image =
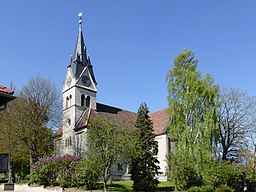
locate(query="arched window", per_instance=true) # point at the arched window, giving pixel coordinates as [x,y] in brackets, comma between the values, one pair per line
[82,99]
[88,100]
[69,121]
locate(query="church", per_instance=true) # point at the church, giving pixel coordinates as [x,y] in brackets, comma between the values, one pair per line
[79,94]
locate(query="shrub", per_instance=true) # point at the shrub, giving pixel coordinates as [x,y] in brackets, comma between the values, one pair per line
[251,180]
[182,171]
[57,170]
[89,173]
[195,189]
[231,175]
[205,188]
[224,188]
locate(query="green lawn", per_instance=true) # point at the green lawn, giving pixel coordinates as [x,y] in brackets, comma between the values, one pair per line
[127,186]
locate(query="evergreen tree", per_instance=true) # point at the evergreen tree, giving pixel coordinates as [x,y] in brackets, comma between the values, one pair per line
[144,166]
[192,103]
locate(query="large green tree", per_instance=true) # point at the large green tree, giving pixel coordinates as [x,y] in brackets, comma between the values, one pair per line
[193,113]
[107,141]
[144,166]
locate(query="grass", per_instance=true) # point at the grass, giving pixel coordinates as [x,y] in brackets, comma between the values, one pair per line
[127,186]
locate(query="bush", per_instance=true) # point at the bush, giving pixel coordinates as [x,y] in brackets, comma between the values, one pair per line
[89,171]
[251,180]
[195,189]
[231,175]
[182,171]
[58,170]
[224,188]
[205,188]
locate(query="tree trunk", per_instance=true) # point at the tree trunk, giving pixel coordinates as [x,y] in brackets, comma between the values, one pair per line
[10,170]
[31,180]
[32,161]
[105,179]
[105,185]
[224,153]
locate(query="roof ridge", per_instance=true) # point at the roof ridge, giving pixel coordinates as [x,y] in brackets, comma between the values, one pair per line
[115,107]
[165,109]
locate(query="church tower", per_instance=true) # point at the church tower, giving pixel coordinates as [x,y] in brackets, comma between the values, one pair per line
[79,94]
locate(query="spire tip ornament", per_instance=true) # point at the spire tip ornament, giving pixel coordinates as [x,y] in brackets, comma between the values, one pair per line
[80,17]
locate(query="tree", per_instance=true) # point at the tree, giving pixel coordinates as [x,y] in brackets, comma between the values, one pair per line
[236,122]
[144,166]
[43,109]
[193,114]
[32,117]
[106,143]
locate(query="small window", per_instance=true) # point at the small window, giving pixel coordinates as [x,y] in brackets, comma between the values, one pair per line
[119,167]
[82,99]
[70,141]
[69,121]
[67,102]
[66,143]
[88,100]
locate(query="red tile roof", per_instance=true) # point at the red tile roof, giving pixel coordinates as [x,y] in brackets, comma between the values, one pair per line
[160,121]
[5,90]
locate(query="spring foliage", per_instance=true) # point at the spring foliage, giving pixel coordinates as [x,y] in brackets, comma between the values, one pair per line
[192,104]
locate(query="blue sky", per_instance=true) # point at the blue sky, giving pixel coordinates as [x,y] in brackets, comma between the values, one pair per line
[132,44]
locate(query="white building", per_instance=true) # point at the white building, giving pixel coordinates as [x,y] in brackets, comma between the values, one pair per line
[79,101]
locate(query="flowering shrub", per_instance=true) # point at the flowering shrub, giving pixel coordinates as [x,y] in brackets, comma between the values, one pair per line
[57,170]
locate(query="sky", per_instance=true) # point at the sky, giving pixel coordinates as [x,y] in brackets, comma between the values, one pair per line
[132,44]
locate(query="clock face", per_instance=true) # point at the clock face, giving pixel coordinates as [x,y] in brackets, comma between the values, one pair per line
[86,80]
[68,82]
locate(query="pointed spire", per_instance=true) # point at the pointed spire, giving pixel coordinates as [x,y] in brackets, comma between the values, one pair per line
[79,59]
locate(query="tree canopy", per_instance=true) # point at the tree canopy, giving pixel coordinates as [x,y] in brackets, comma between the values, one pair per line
[107,141]
[30,120]
[193,114]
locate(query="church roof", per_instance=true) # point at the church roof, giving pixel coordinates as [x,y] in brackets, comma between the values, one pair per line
[159,118]
[160,121]
[117,114]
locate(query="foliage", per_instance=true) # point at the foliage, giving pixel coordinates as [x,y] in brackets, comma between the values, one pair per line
[236,119]
[106,144]
[127,186]
[231,175]
[193,114]
[28,123]
[144,167]
[251,180]
[61,170]
[89,171]
[206,188]
[224,188]
[182,171]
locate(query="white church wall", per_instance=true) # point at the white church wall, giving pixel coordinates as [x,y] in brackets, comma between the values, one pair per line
[161,156]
